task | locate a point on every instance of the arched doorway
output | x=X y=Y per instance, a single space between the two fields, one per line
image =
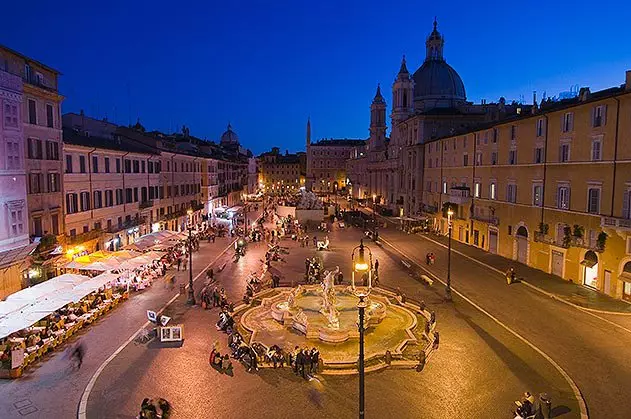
x=590 y=269
x=522 y=244
x=625 y=276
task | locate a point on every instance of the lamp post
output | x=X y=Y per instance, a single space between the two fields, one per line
x=450 y=214
x=361 y=265
x=191 y=291
x=374 y=217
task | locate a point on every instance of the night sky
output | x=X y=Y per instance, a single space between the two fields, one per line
x=266 y=66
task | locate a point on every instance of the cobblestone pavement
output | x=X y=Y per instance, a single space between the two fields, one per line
x=478 y=371
x=51 y=390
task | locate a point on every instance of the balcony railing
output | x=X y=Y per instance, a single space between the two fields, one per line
x=614 y=222
x=572 y=241
x=134 y=222
x=146 y=204
x=84 y=237
x=487 y=219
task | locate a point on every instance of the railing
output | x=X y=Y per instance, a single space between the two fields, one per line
x=84 y=237
x=146 y=204
x=487 y=219
x=614 y=222
x=134 y=222
x=572 y=241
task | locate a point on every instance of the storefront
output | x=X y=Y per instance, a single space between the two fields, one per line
x=590 y=269
x=625 y=277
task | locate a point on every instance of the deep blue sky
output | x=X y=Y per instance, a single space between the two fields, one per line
x=266 y=66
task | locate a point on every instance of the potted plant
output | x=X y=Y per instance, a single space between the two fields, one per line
x=543 y=228
x=578 y=232
x=601 y=241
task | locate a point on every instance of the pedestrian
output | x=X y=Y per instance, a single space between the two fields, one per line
x=179 y=263
x=215 y=297
x=77 y=354
x=376 y=265
x=293 y=359
x=300 y=363
x=340 y=278
x=211 y=274
x=315 y=358
x=315 y=241
x=185 y=263
x=253 y=360
x=306 y=363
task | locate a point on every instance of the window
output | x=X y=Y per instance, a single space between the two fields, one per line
x=68 y=163
x=564 y=152
x=539 y=155
x=495 y=135
x=593 y=200
x=119 y=197
x=563 y=197
x=10 y=115
x=464 y=143
x=95 y=164
x=142 y=166
x=465 y=160
x=82 y=164
x=17 y=222
x=54 y=222
x=129 y=195
x=13 y=154
x=84 y=199
x=567 y=122
x=513 y=133
x=150 y=167
x=511 y=192
x=36 y=183
x=71 y=203
x=486 y=137
x=52 y=150
x=444 y=186
x=494 y=158
x=598 y=116
x=540 y=127
x=136 y=166
x=537 y=195
x=106 y=164
x=118 y=165
x=35 y=150
x=512 y=157
x=477 y=186
x=596 y=150
x=98 y=199
x=53 y=182
x=127 y=166
x=478 y=158
x=135 y=194
x=32 y=112
x=49 y=116
x=109 y=198
x=143 y=194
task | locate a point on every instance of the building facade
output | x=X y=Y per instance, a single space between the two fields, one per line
x=549 y=188
x=282 y=172
x=14 y=233
x=41 y=119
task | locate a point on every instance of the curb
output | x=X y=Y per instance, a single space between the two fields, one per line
x=577 y=392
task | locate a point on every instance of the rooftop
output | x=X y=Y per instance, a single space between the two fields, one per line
x=340 y=142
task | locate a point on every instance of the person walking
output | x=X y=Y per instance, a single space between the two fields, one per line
x=306 y=366
x=376 y=266
x=298 y=359
x=77 y=354
x=185 y=263
x=315 y=358
x=179 y=263
x=215 y=297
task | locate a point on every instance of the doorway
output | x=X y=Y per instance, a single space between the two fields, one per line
x=493 y=241
x=590 y=269
x=607 y=285
x=522 y=245
x=557 y=263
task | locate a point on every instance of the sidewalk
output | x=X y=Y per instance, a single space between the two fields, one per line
x=565 y=290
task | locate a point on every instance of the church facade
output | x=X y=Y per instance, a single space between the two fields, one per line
x=427 y=104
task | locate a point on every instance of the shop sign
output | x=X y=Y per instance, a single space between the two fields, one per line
x=17 y=357
x=171 y=333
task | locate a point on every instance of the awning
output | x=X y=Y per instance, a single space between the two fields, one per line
x=625 y=276
x=588 y=263
x=590 y=259
x=13 y=256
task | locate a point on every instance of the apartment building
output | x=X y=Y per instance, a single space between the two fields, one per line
x=41 y=120
x=549 y=188
x=282 y=172
x=14 y=234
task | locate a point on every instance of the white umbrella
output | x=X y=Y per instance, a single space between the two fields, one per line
x=99 y=266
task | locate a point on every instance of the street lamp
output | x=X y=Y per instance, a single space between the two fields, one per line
x=450 y=214
x=191 y=292
x=361 y=265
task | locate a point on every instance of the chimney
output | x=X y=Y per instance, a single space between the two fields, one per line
x=627 y=83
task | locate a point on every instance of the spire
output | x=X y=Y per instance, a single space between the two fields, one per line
x=378 y=98
x=435 y=24
x=309 y=131
x=404 y=68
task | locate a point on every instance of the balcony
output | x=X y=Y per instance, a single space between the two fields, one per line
x=567 y=241
x=459 y=195
x=146 y=204
x=134 y=222
x=615 y=222
x=490 y=219
x=84 y=237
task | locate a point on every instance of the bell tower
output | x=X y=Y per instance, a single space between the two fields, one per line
x=434 y=45
x=378 y=127
x=402 y=91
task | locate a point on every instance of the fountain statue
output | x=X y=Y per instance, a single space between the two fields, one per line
x=291 y=300
x=329 y=298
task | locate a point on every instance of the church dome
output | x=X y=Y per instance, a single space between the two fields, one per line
x=436 y=79
x=229 y=137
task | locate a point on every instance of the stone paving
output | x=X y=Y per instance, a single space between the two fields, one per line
x=477 y=371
